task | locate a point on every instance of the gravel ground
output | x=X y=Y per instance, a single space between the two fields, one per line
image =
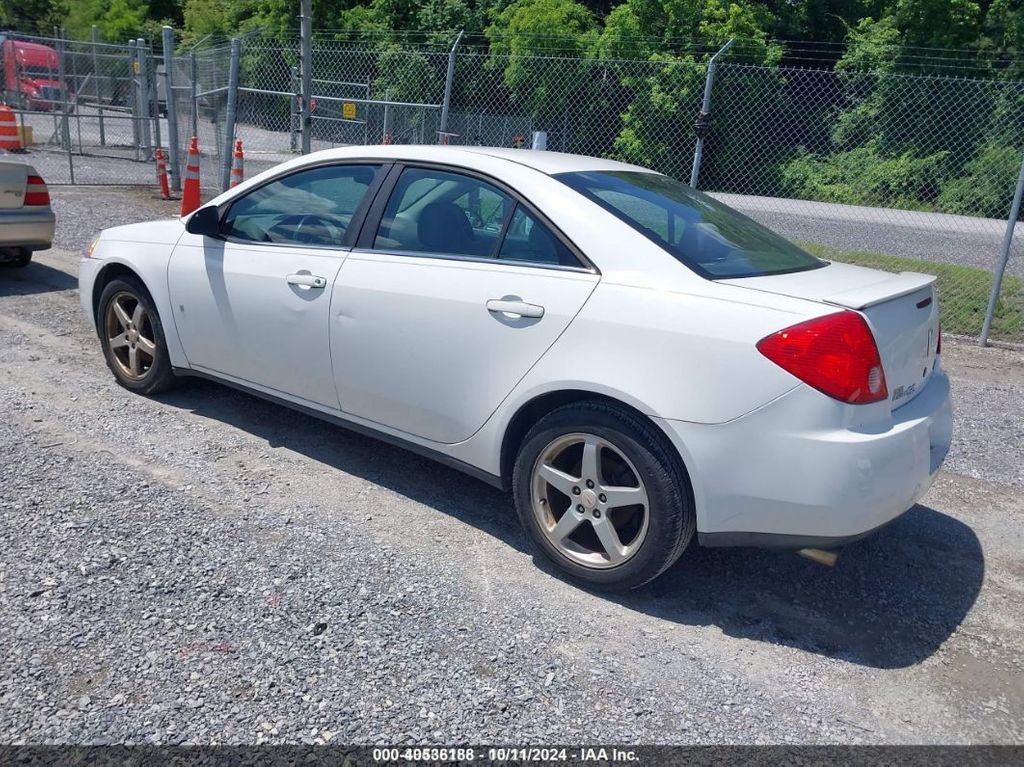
x=206 y=567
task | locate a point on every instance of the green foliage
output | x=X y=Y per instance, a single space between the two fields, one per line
x=864 y=176
x=871 y=46
x=938 y=23
x=30 y=16
x=986 y=188
x=653 y=131
x=118 y=20
x=406 y=76
x=543 y=71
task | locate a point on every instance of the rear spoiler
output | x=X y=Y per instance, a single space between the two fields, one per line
x=886 y=289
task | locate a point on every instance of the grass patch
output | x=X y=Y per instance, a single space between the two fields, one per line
x=963 y=290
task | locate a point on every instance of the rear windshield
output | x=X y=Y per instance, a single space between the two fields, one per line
x=711 y=238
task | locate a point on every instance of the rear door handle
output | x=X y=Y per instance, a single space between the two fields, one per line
x=307 y=280
x=516 y=308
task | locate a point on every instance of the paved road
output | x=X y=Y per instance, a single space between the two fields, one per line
x=206 y=566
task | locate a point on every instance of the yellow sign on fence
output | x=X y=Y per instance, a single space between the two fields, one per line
x=348 y=110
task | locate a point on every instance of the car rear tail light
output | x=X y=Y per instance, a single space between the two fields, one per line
x=938 y=341
x=36 y=192
x=836 y=354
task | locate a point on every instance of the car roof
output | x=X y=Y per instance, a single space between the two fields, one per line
x=546 y=162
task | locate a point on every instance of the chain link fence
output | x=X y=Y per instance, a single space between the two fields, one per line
x=894 y=170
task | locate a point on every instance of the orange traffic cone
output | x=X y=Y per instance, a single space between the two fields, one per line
x=9 y=138
x=190 y=195
x=237 y=165
x=161 y=174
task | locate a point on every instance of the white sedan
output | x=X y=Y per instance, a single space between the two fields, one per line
x=635 y=361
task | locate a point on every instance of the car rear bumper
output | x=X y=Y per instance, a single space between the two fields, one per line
x=32 y=229
x=777 y=478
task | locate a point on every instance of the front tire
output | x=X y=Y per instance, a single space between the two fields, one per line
x=132 y=337
x=602 y=496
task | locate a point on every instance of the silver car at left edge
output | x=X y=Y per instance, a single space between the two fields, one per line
x=27 y=222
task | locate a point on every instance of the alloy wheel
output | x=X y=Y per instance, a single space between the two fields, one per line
x=129 y=330
x=589 y=500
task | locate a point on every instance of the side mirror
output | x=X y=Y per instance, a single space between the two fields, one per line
x=205 y=221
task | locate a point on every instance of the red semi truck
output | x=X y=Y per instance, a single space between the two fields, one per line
x=30 y=75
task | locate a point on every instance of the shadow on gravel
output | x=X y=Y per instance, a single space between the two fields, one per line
x=34 y=278
x=890 y=602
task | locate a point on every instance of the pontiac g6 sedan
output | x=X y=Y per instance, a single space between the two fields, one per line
x=635 y=361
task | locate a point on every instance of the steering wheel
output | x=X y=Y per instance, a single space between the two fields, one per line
x=475 y=219
x=291 y=227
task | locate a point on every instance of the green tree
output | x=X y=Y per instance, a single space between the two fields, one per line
x=31 y=16
x=938 y=23
x=542 y=46
x=118 y=20
x=667 y=89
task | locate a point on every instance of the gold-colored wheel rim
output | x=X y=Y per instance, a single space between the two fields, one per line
x=129 y=334
x=590 y=501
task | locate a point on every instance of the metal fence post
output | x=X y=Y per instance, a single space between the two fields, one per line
x=133 y=94
x=153 y=86
x=1004 y=257
x=194 y=73
x=296 y=110
x=705 y=112
x=172 y=110
x=65 y=132
x=144 y=106
x=449 y=80
x=306 y=74
x=96 y=81
x=230 y=113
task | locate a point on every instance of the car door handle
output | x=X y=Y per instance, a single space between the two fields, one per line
x=518 y=308
x=307 y=280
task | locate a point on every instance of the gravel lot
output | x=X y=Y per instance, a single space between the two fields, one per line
x=206 y=567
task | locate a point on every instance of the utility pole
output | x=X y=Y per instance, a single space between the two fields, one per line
x=306 y=72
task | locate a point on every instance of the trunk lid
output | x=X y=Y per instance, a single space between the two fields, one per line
x=13 y=180
x=900 y=308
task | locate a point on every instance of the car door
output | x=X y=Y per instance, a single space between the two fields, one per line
x=254 y=303
x=455 y=290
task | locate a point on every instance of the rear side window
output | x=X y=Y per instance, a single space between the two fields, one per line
x=311 y=207
x=528 y=240
x=709 y=237
x=435 y=211
x=441 y=212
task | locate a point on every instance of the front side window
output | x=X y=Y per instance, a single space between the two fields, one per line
x=711 y=238
x=311 y=207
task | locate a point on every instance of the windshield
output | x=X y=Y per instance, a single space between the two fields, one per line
x=711 y=238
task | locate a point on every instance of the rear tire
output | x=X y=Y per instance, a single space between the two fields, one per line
x=602 y=495
x=132 y=337
x=20 y=259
